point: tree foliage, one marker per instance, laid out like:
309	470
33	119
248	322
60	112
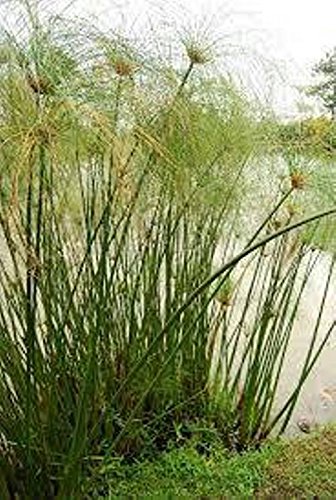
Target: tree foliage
325	90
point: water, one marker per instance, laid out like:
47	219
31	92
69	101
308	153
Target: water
317	401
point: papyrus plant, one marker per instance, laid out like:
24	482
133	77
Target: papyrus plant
119	182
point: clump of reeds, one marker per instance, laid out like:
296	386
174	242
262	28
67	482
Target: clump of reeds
110	220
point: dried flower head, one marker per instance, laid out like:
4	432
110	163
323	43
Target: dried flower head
39	84
277	223
124	67
43	134
4	54
298	180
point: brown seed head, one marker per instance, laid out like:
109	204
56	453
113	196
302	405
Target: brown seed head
38	84
298	180
4	54
124	68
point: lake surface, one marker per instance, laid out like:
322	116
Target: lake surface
317	401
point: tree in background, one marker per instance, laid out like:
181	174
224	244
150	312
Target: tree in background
325	90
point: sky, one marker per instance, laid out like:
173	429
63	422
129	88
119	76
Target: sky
292	34
300	29
289	36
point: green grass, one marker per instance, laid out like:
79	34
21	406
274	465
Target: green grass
304	468
301	468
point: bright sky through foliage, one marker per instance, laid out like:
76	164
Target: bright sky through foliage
291	35
296	33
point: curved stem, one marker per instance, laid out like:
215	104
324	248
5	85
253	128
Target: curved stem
187	303
193	296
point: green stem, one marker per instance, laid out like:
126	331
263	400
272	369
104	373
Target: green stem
193	296
30	320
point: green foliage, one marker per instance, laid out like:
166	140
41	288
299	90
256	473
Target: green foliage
295	468
313	136
185	473
326	89
307	150
303	467
119	186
